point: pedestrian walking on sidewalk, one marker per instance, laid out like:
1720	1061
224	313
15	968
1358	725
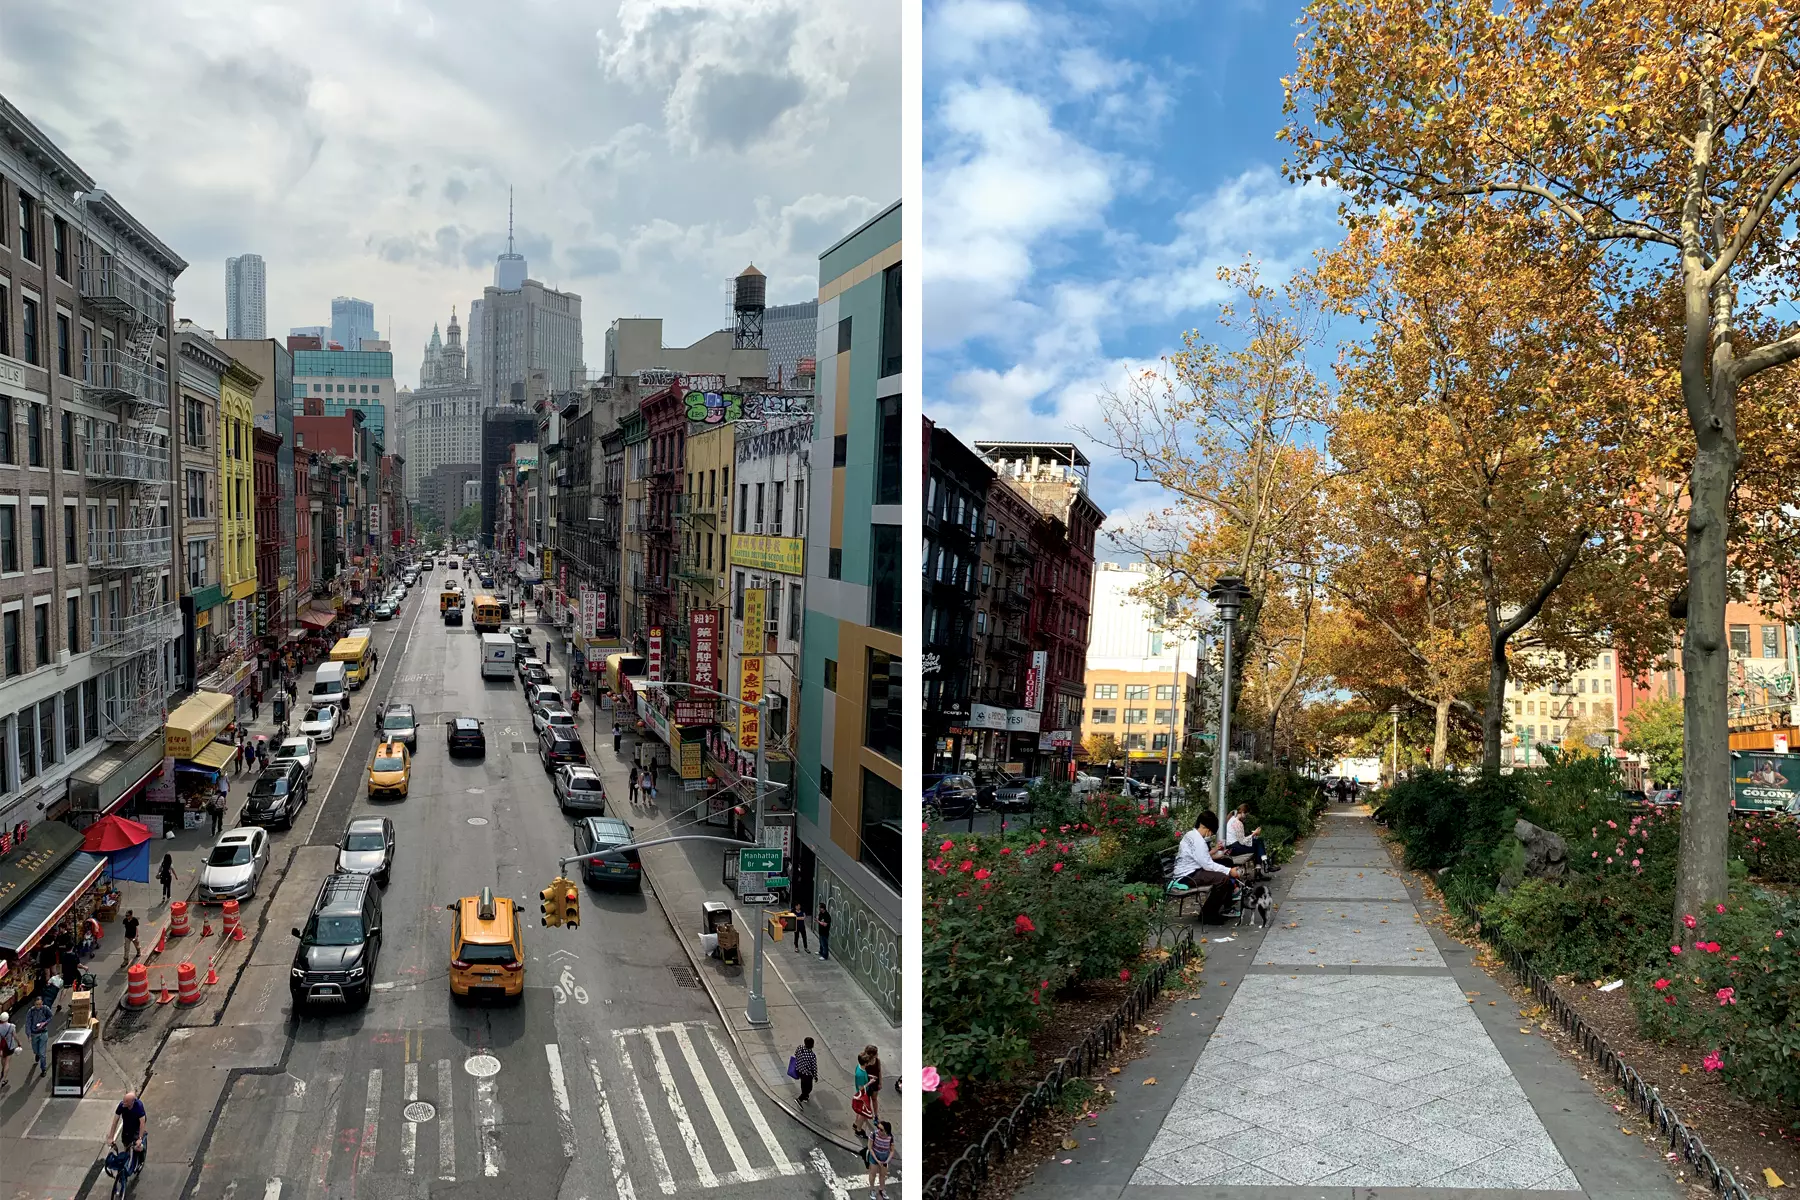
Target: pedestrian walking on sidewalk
37	1028
237	757
800	931
133	951
865	1105
165	875
215	808
880	1153
9	1045
618	735
804	1066
823	924
632	787
575	702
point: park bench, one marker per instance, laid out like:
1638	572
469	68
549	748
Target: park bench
1179	896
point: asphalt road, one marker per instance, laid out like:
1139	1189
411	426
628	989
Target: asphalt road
613	1077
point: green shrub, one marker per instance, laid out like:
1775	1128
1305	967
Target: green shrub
1284	803
1589	926
1769	844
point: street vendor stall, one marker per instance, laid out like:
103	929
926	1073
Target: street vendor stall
192	738
48	885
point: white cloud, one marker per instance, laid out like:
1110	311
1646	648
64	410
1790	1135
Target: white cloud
372	157
963	31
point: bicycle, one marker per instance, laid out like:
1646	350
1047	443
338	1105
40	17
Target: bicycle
122	1166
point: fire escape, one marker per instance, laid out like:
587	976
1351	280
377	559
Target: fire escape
130	464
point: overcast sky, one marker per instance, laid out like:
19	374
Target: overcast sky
365	147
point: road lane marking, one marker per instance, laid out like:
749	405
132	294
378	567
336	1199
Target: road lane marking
371	1118
664	1179
409	1133
272	1190
776	1155
559	1091
838	1186
702	1168
317	1182
446	1125
615	1150
291	1111
487	1108
727	1135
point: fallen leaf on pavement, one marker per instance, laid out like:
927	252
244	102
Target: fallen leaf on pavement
1070	1144
1772	1179
1150	1082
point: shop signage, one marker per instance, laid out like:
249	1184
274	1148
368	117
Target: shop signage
654	719
1034	681
600	611
759	553
653	670
696	712
1022	720
1055	739
929	664
1765	782
750	672
549	565
756	607
690	761
703	648
986	716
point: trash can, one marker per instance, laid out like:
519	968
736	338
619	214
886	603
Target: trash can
72	1063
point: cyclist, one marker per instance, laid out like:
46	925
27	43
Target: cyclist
131	1121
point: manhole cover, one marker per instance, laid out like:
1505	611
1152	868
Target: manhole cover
482	1066
685	977
478	820
418	1110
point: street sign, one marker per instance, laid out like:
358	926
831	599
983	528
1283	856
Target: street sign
759	859
776	881
758	898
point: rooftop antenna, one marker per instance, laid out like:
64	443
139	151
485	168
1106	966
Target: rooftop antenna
509	220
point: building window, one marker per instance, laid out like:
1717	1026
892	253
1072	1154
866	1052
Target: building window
65	346
1165	716
59	245
881	709
843	331
759	507
1165	691
40	615
794	610
1137	691
29	309
5	338
9	537
887	463
1104	716
40	537
1740	641
90	709
71	705
831	674
1137	716
15	650
1106	691
890	320
840	450
68	440
46	723
1159	741
72	618
834	563
196	494
884	577
743	512
880	841
1771	638
1134	741
71	547
28	760
27	226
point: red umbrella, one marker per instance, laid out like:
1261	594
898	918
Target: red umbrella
111	834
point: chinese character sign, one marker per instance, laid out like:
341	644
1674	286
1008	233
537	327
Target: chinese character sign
756	604
750	691
703	628
654	669
600	611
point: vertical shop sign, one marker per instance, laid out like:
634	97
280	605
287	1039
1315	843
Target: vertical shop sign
703	638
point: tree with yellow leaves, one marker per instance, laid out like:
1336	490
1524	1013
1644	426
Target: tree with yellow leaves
1662	136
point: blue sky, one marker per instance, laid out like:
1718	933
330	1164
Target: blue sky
1088	167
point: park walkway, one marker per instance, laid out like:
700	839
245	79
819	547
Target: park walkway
1351	1051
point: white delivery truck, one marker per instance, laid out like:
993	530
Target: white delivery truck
496	656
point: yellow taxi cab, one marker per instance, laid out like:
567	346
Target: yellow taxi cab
487	947
390	774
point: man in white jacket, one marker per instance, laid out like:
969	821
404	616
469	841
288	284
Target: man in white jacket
1196	866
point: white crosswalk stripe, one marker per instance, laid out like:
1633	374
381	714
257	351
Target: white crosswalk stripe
615	1150
409	1132
371	1120
446	1123
559	1092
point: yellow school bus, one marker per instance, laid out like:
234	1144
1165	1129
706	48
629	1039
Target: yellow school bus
487	615
450	597
357	656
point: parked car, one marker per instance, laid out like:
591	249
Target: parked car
367	848
537	674
1665	797
523	662
1013	794
276	797
545	715
384	611
302	750
340	945
465	736
558	745
319	722
579	787
401	724
597	834
1085	784
949	797
234	866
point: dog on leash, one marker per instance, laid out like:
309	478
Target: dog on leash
1256	900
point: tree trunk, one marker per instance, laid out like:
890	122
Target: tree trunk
1700	879
1242	634
1493	716
1440	734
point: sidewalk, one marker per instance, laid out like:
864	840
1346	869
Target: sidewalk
806	996
1349	1047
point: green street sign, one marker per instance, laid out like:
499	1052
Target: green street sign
765	859
776	881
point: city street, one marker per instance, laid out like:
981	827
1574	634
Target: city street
612	1077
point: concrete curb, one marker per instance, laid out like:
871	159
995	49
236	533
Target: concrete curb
781	1099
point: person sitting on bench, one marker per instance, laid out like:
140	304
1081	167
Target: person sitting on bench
1239	842
1196	866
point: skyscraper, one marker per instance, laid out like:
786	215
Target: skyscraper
246	312
519	326
352	322
440	424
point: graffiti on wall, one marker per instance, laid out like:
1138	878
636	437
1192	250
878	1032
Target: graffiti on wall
717	406
862	943
775	438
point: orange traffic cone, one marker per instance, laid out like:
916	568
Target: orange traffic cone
167	996
162	939
206	928
212	976
237	934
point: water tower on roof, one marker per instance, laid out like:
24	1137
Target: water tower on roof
750	293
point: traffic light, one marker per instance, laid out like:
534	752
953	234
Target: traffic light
553	897
571	904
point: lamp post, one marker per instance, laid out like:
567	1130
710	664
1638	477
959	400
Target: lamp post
1228	595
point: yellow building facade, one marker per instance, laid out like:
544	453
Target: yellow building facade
237	500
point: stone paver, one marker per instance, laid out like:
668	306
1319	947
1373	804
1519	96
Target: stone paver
1348	883
1348	933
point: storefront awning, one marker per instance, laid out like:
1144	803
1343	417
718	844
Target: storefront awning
47	846
312	618
38	913
213	757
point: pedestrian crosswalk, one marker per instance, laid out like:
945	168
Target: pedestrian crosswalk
644	1112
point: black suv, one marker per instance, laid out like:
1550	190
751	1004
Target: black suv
276	797
557	746
466	736
340	945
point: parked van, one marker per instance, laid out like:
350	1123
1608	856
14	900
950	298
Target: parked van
496	656
329	684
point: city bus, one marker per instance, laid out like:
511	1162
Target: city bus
487	615
356	653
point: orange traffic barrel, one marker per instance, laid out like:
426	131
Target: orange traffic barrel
137	986
231	919
187	983
178	921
